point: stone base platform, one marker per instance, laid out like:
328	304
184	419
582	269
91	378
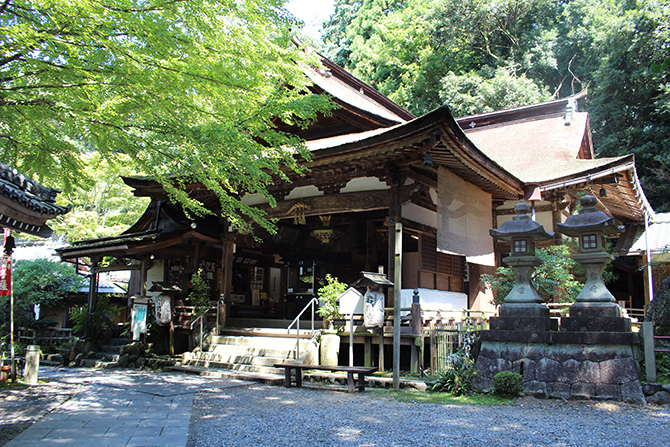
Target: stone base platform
585	365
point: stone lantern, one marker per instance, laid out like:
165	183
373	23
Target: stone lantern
523	308
595	308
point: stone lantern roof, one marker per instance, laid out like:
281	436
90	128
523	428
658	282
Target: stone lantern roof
522	226
589	219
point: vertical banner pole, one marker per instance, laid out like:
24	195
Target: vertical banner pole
7	289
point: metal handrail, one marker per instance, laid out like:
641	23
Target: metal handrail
201	323
297	319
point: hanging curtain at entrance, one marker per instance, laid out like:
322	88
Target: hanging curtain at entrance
464	216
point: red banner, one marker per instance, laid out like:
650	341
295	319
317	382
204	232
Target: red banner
5	275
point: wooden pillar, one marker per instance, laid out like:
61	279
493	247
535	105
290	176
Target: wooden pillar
367	351
381	349
393	218
397	273
417	330
93	285
227	258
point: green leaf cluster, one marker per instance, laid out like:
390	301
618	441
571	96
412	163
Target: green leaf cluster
39	282
200	293
555	280
101	207
328	294
658	310
189	91
508	383
92	324
459	378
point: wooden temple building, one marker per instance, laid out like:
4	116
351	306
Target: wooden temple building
447	180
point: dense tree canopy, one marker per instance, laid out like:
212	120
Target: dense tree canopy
482	55
103	207
39	282
187	89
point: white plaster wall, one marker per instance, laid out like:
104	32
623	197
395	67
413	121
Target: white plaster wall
419	214
304	191
543	219
365	184
155	274
254	199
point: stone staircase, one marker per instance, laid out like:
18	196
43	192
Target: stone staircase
249	353
108	355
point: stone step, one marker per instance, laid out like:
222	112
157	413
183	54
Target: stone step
98	364
257	341
238	367
111	348
268	378
243	350
120	341
57	358
107	356
267	332
209	357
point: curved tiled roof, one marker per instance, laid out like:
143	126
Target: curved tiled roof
28	193
25	205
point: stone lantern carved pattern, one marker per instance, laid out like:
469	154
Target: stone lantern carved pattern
595	308
523	308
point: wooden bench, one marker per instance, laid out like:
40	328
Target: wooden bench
362	371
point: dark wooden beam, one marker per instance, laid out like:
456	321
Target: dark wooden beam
331	204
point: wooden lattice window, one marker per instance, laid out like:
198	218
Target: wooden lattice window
444	263
428	253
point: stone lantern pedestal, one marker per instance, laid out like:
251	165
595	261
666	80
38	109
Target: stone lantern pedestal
523	309
595	308
593	355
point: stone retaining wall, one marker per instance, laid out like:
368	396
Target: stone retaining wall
565	371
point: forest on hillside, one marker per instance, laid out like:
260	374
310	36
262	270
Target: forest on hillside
483	55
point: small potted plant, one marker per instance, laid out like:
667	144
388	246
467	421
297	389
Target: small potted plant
329	311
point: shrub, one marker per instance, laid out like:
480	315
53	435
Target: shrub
200	294
92	325
508	383
459	378
658	310
328	295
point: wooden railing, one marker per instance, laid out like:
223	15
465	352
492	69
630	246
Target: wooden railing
44	336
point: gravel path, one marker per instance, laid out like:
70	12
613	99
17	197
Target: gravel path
259	415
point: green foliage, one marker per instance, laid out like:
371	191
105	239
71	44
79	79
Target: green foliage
328	294
445	52
105	206
183	88
662	367
630	112
200	293
39	282
508	383
658	310
92	325
483	91
658	68
554	280
459	378
337	44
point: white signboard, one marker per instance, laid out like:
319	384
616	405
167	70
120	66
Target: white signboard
351	301
138	323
